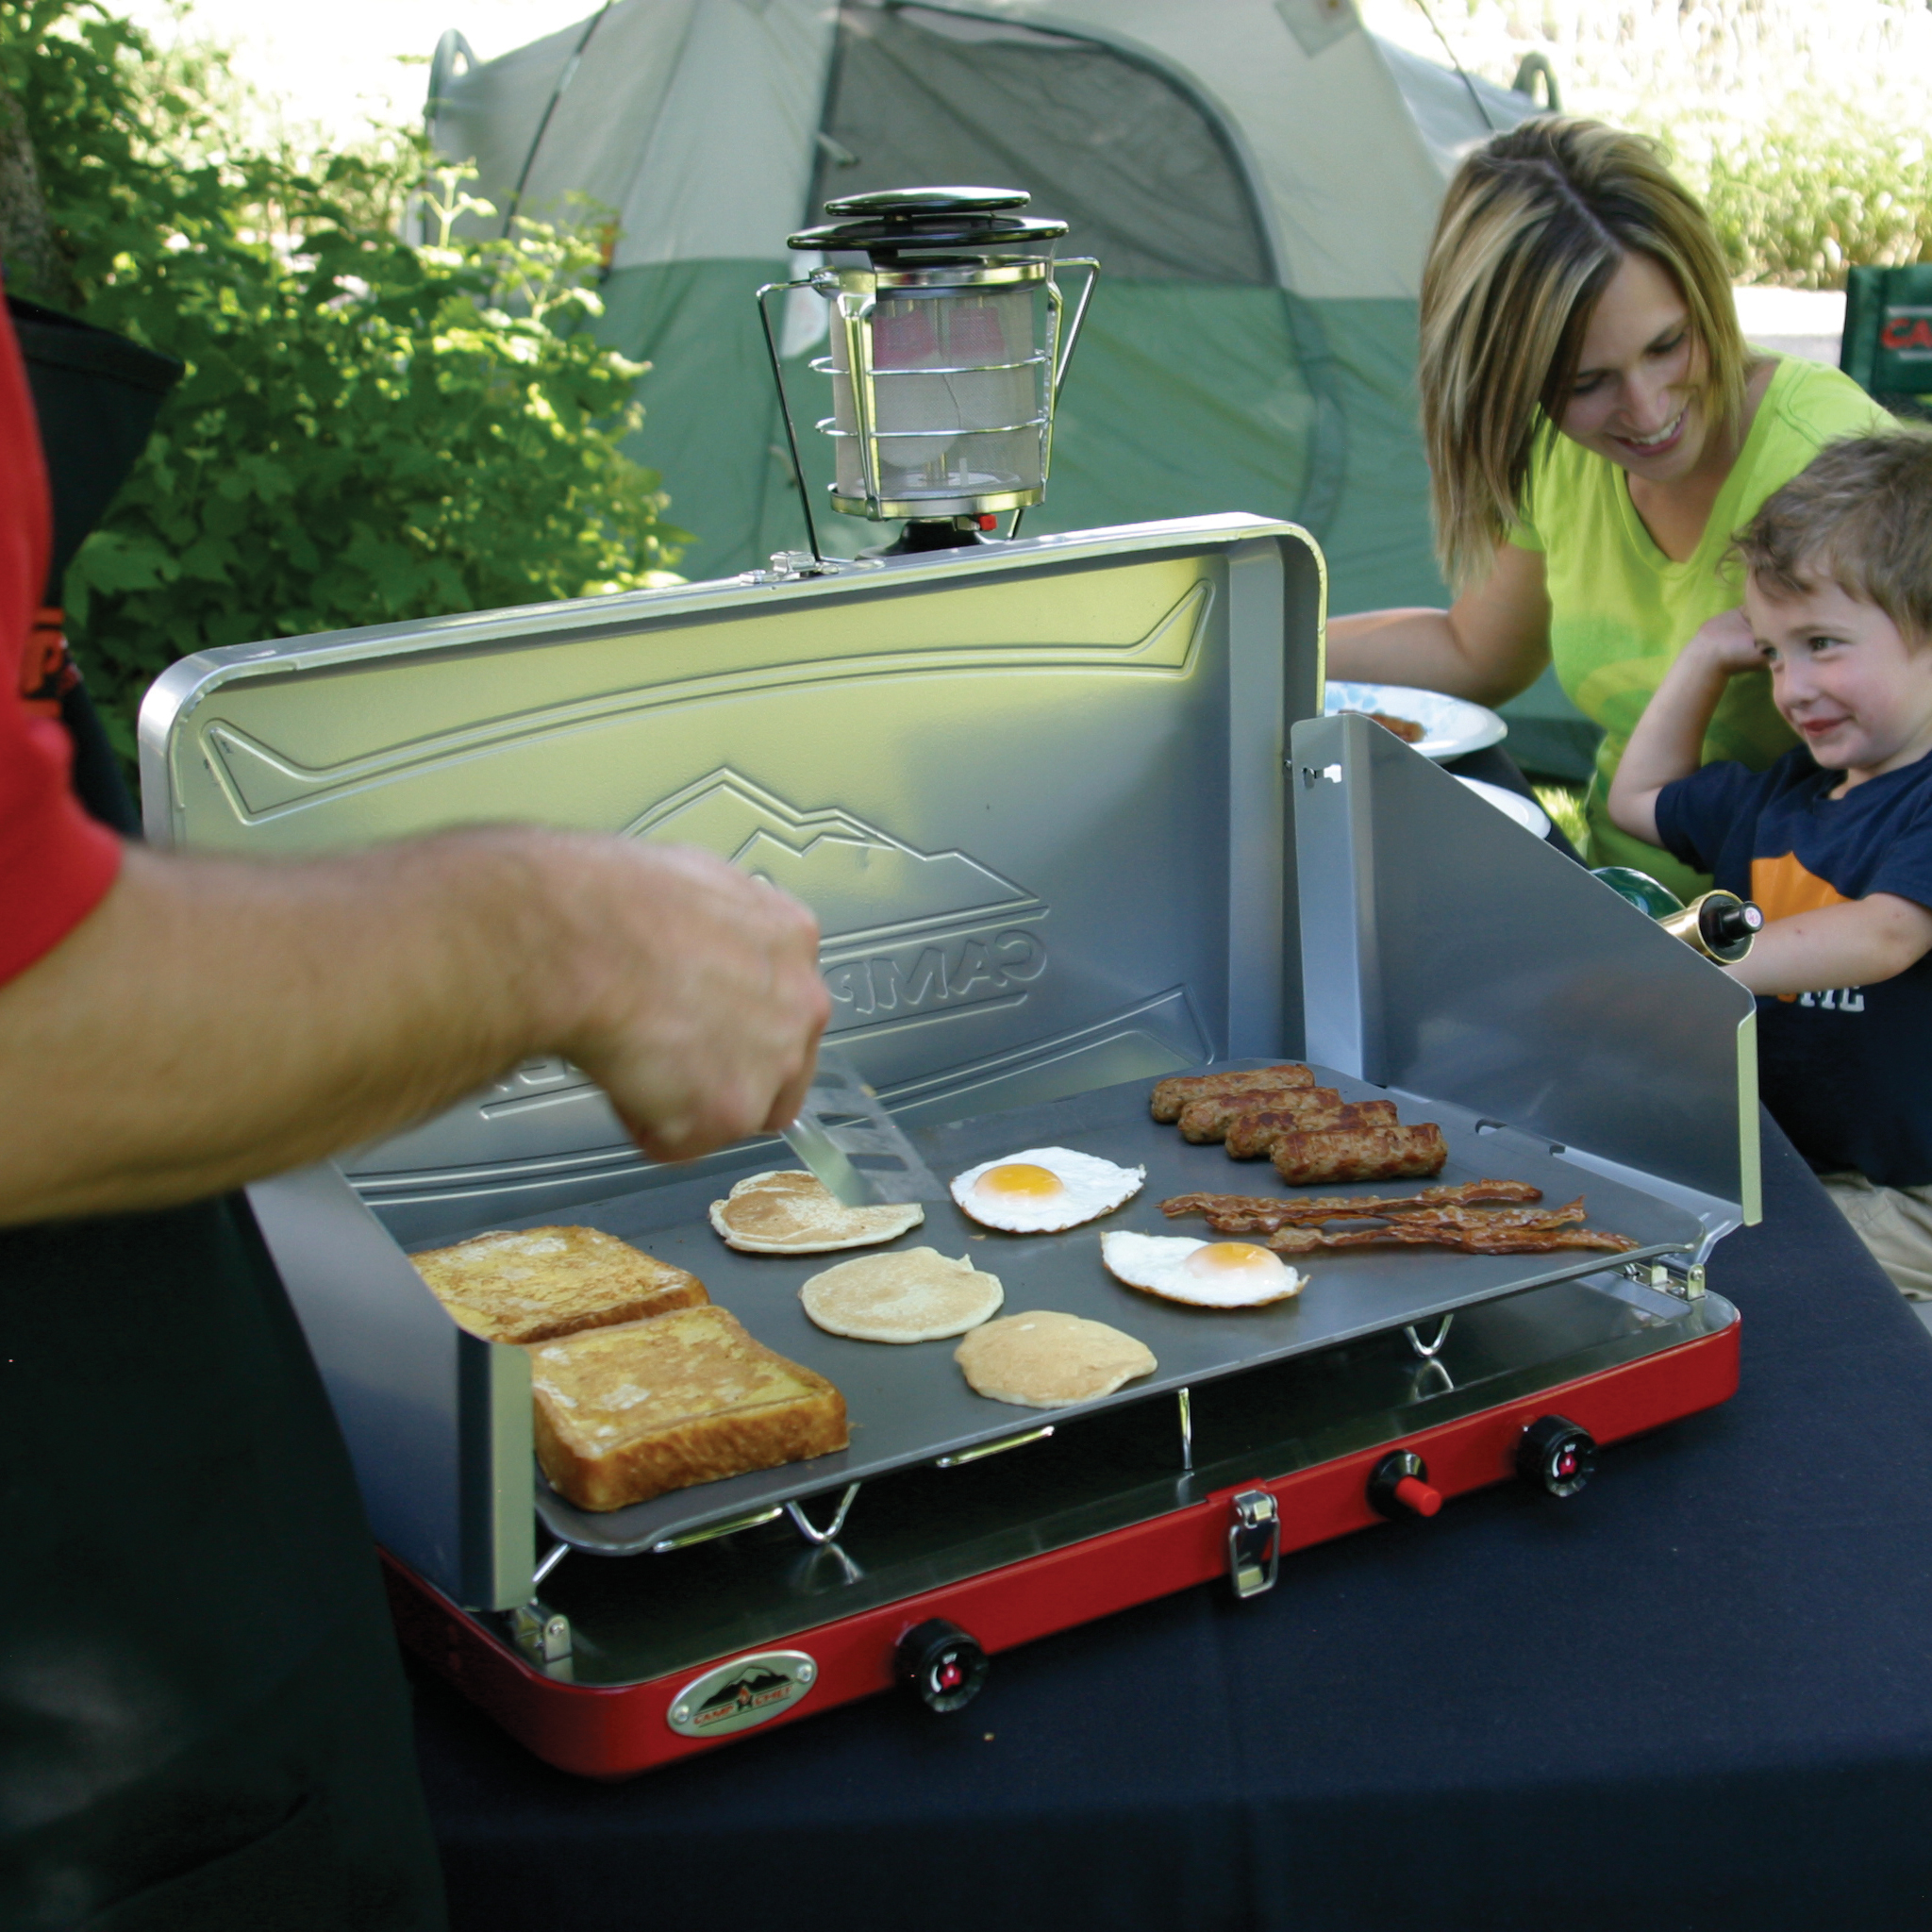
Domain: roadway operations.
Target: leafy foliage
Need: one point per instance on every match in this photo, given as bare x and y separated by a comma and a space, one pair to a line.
1802, 125
369, 429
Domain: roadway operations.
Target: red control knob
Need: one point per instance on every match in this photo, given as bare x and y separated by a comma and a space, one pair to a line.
1413, 1494
1399, 1488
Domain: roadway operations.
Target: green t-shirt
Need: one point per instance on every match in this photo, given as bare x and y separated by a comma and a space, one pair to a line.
1621, 610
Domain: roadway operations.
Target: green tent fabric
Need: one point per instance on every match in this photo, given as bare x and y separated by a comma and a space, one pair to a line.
1259, 179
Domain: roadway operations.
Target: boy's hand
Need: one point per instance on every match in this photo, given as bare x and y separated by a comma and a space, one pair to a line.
1729, 643
1669, 739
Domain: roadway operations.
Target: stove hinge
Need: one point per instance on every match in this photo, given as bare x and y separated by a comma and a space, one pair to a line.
1677, 1274
1254, 1543
544, 1636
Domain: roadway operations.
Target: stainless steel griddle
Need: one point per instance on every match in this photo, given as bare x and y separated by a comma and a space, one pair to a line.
910, 1405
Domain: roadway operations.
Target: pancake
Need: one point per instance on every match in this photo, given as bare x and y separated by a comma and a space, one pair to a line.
797, 1214
1043, 1360
913, 1295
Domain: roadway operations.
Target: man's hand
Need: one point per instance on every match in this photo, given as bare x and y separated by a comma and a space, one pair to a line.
211, 1023
702, 1001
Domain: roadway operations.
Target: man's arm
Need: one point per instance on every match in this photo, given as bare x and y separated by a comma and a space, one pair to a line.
1668, 742
1855, 945
212, 1022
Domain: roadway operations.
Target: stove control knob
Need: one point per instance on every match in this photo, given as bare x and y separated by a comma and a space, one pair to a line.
942, 1663
1400, 1487
1554, 1452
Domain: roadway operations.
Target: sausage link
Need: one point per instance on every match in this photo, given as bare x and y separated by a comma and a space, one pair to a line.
1360, 1154
1209, 1119
1172, 1094
1251, 1135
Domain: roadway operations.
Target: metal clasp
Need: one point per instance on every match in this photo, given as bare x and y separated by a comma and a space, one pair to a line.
1254, 1543
1677, 1274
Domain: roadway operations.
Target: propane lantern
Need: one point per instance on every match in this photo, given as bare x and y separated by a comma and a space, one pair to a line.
948, 347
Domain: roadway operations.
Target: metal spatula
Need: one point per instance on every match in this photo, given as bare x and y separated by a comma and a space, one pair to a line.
842, 1118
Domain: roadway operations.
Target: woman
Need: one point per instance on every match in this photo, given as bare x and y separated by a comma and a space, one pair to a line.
1596, 428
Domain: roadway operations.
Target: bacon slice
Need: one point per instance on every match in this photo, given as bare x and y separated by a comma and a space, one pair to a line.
1262, 1214
1250, 1135
1360, 1154
1469, 1240
1475, 1218
1209, 1118
1172, 1094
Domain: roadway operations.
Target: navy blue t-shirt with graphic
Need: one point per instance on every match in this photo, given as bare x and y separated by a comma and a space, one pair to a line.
1845, 1071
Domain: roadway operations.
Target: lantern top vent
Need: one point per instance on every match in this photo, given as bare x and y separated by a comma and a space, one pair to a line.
896, 223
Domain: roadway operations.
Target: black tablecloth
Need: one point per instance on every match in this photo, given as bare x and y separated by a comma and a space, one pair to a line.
1696, 1696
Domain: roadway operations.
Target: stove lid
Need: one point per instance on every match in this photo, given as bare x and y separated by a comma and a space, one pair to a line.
1035, 792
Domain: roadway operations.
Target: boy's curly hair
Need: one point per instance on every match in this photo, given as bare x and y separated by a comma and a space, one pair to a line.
1860, 515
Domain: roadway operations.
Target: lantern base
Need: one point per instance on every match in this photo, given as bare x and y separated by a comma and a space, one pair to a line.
932, 508
922, 534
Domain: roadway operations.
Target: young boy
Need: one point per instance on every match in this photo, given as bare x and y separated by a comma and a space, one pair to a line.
1834, 841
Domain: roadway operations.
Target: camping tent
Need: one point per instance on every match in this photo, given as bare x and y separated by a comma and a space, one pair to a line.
1259, 179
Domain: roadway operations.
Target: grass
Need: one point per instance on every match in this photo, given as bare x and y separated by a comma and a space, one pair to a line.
1564, 803
1800, 124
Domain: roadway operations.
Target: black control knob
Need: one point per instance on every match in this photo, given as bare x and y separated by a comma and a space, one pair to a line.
1557, 1454
942, 1663
1399, 1487
1728, 925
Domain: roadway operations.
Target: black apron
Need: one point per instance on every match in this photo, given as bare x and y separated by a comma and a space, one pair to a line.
202, 1720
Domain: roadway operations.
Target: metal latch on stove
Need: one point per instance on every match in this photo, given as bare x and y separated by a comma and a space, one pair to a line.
1254, 1543
1677, 1274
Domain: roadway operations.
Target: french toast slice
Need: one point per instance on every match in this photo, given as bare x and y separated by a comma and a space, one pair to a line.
536, 1282
627, 1413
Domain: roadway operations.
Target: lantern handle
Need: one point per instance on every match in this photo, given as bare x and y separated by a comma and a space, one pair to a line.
1092, 264
1063, 354
812, 528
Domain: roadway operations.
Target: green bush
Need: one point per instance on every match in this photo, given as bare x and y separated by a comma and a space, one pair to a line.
1798, 200
369, 430
1801, 125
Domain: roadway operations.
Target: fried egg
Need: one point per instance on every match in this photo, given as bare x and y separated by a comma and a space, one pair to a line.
1043, 1190
1210, 1274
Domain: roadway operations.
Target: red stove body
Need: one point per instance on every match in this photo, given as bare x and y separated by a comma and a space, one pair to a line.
616, 1731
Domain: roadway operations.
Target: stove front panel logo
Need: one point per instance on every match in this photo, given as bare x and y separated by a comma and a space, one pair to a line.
737, 1695
905, 933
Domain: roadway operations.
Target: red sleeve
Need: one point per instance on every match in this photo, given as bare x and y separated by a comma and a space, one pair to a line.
55, 862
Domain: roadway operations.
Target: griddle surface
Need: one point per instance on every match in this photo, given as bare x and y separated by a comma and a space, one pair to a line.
908, 1405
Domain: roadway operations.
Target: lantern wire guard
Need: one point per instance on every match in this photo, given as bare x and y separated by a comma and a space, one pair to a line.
949, 344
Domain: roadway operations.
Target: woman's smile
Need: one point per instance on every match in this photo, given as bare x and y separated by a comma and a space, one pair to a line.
1662, 442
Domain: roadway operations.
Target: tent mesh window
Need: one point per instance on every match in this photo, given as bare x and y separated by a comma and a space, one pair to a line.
1143, 177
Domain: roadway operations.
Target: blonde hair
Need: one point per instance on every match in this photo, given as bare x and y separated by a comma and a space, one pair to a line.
1859, 515
1535, 224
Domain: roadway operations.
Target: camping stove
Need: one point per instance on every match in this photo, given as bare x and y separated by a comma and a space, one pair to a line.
1071, 820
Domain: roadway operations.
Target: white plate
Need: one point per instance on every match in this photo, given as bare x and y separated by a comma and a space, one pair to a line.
1451, 727
1525, 811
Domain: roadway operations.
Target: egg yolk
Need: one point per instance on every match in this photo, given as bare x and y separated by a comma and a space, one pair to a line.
1019, 1180
1219, 1260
